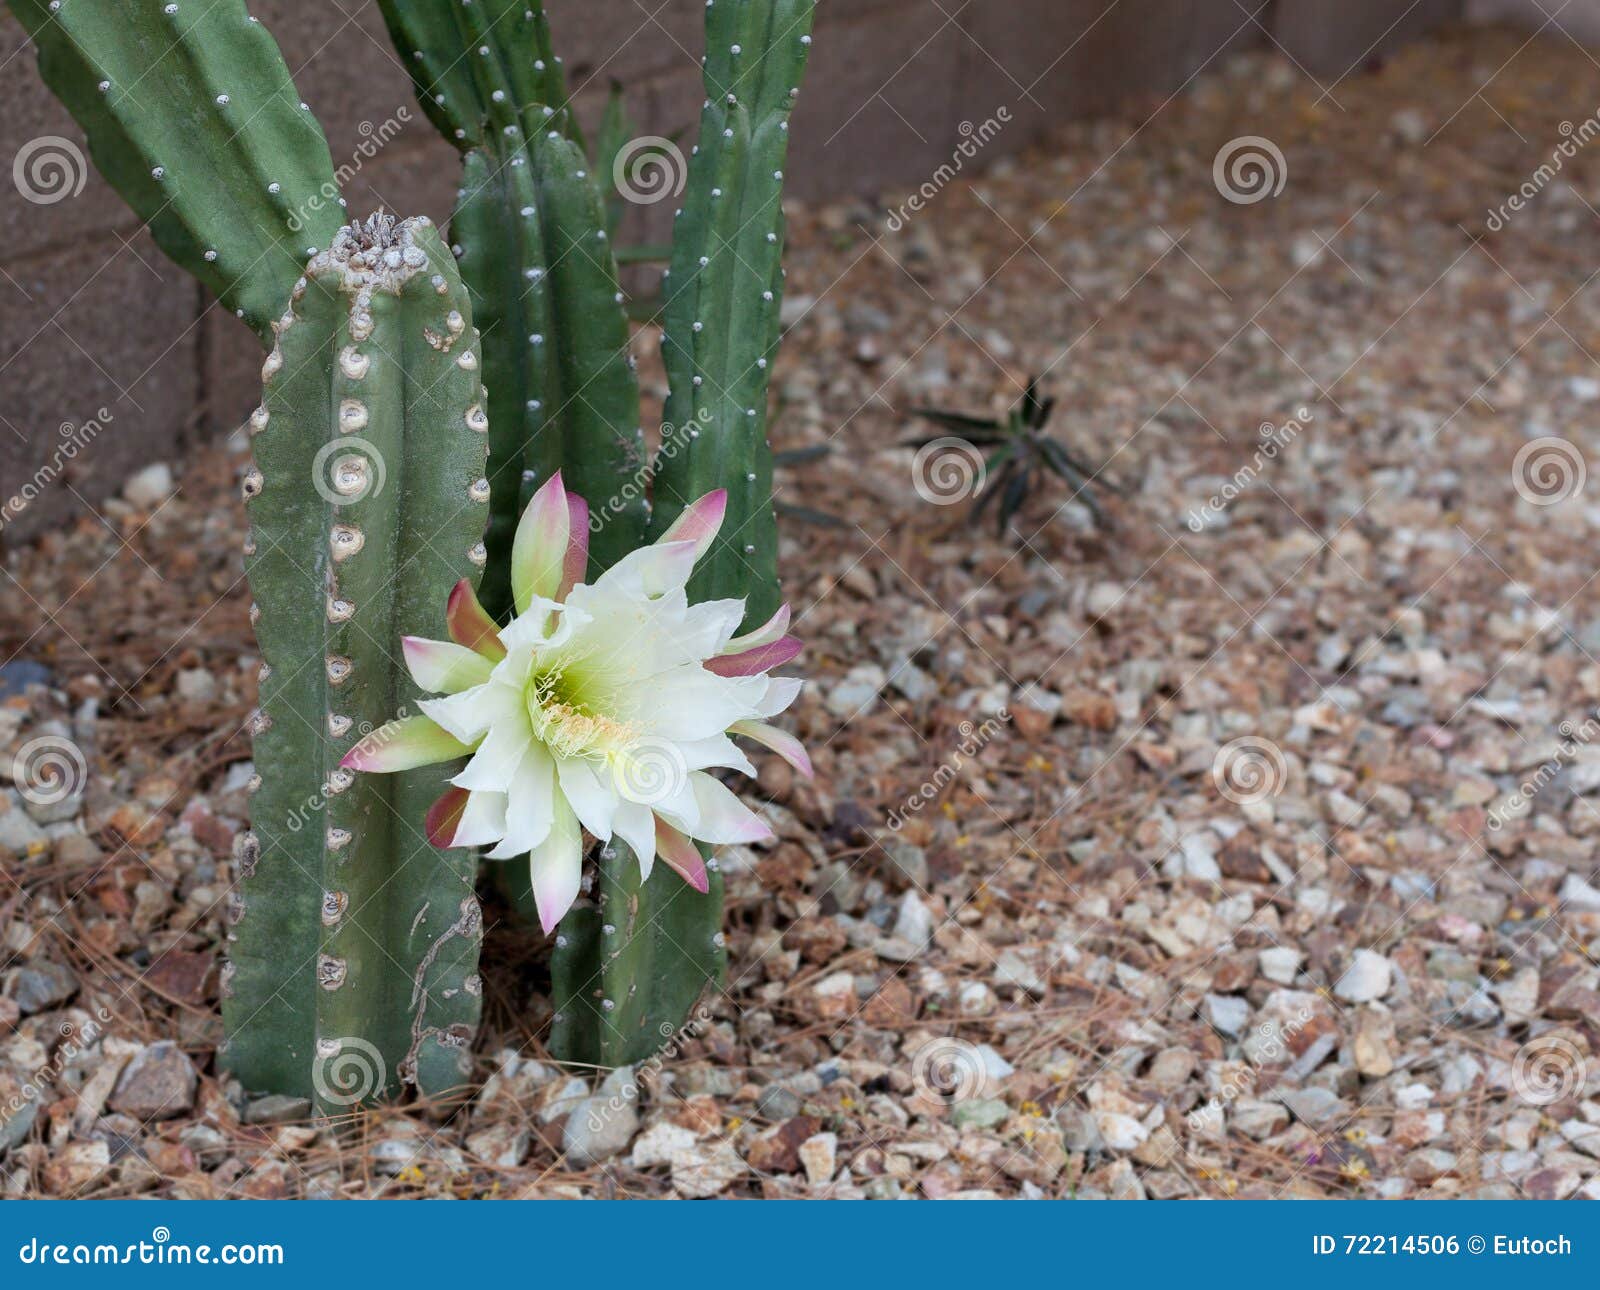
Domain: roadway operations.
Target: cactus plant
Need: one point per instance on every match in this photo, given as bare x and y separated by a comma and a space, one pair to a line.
724, 292
1019, 450
649, 948
530, 231
353, 942
192, 117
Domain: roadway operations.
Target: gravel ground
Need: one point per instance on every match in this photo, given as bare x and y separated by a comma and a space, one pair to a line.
1242, 846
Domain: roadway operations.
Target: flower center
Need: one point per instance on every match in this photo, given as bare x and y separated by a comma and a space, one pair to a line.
569, 726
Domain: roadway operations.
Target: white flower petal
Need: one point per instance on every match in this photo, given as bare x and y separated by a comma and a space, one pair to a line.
590, 793
775, 628
539, 549
443, 667
781, 691
483, 821
546, 624
724, 818
556, 866
780, 741
691, 703
699, 521
651, 570
712, 623
622, 640
635, 824
495, 763
715, 750
469, 714
404, 744
531, 807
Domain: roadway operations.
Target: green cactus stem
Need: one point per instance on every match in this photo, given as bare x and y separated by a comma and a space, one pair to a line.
628, 970
530, 234
530, 231
629, 967
484, 73
192, 117
724, 293
353, 942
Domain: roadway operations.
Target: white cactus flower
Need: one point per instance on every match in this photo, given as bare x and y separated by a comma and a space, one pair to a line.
600, 706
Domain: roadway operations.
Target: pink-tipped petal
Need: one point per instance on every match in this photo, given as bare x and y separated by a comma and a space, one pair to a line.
404, 744
469, 623
779, 741
681, 856
443, 816
753, 662
576, 564
770, 631
539, 550
443, 667
556, 867
699, 522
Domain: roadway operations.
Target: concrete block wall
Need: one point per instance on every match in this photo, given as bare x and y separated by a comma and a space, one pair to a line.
96, 327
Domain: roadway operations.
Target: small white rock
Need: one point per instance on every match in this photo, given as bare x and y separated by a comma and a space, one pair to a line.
1280, 963
150, 487
1367, 978
1577, 894
914, 923
660, 1144
820, 1155
1226, 1013
1120, 1132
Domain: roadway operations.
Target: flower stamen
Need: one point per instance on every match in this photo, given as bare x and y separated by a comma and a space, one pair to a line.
566, 726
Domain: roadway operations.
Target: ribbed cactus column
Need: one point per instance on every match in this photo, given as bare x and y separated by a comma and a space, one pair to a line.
529, 229
724, 294
191, 115
629, 970
353, 941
